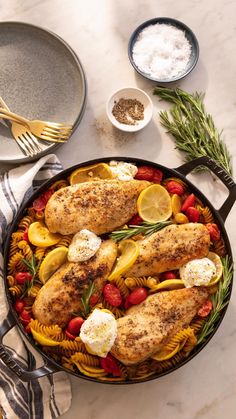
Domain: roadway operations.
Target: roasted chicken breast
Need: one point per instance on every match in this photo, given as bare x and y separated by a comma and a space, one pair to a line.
61, 295
99, 206
170, 248
149, 326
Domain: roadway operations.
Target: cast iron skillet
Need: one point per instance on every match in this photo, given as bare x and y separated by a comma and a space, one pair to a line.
11, 320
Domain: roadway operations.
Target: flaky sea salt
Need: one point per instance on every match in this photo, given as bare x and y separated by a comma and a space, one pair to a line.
162, 51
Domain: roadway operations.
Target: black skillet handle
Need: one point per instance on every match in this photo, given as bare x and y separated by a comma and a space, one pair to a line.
220, 173
11, 363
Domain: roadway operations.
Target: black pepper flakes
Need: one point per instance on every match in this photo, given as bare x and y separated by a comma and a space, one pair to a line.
128, 111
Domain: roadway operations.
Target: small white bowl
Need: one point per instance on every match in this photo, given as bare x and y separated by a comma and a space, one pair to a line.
130, 93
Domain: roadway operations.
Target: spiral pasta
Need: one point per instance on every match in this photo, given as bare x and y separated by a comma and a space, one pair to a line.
219, 247
25, 222
11, 280
67, 363
207, 215
26, 249
197, 324
86, 359
120, 283
33, 291
73, 346
16, 290
116, 311
133, 282
17, 236
39, 215
48, 331
13, 248
15, 262
40, 252
64, 241
181, 336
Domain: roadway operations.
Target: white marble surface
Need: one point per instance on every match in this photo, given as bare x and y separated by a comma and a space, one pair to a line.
99, 31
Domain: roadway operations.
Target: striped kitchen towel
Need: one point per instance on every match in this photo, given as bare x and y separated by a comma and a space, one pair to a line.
50, 396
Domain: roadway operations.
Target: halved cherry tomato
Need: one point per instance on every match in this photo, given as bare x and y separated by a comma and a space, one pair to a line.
127, 303
74, 325
19, 305
40, 203
112, 295
69, 335
25, 317
189, 202
193, 214
94, 299
25, 235
22, 277
168, 275
110, 365
213, 231
175, 188
205, 309
138, 295
135, 220
145, 173
157, 177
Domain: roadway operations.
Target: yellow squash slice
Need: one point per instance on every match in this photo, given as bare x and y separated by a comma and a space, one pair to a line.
39, 235
52, 262
129, 250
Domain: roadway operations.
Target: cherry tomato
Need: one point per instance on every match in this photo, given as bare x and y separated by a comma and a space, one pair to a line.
213, 231
205, 309
40, 203
189, 202
74, 325
138, 295
157, 177
193, 214
112, 295
25, 235
168, 275
69, 335
94, 299
110, 365
175, 188
25, 317
22, 277
135, 220
19, 305
145, 173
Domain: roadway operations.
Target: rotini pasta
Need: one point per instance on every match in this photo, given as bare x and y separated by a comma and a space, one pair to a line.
33, 291
116, 311
149, 282
73, 346
207, 215
181, 336
11, 280
48, 331
15, 262
40, 252
120, 283
16, 290
219, 247
25, 222
65, 241
39, 215
86, 359
197, 324
26, 249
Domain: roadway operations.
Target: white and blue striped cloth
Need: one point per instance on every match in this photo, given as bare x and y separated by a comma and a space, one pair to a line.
50, 396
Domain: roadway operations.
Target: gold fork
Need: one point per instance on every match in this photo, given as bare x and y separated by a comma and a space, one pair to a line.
24, 138
49, 131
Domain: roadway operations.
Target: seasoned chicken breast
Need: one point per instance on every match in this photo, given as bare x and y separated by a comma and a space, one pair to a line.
149, 326
99, 206
61, 295
170, 248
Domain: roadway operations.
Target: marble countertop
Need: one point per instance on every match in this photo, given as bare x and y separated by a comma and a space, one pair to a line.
98, 31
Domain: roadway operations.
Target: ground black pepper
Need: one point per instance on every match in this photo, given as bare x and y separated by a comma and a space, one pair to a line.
128, 111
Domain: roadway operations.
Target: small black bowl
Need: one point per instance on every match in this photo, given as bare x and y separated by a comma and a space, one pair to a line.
177, 24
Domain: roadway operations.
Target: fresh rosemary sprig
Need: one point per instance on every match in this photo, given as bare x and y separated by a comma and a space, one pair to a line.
32, 268
86, 297
144, 228
219, 300
192, 127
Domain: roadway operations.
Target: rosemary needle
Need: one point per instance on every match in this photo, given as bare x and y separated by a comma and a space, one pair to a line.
144, 228
192, 127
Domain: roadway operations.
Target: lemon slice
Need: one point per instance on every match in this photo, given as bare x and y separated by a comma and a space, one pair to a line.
163, 355
43, 340
219, 268
169, 284
89, 374
39, 235
52, 262
129, 252
89, 173
154, 204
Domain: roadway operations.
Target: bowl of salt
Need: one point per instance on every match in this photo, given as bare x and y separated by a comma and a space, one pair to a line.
163, 50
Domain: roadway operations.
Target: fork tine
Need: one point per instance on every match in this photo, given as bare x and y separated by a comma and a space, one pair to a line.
57, 125
56, 131
53, 140
26, 145
22, 146
33, 141
58, 136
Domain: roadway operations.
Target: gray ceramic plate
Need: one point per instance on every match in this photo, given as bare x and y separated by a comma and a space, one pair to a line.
41, 78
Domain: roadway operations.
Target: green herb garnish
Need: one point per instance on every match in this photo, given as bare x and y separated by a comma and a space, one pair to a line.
144, 228
192, 127
32, 269
219, 300
86, 297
